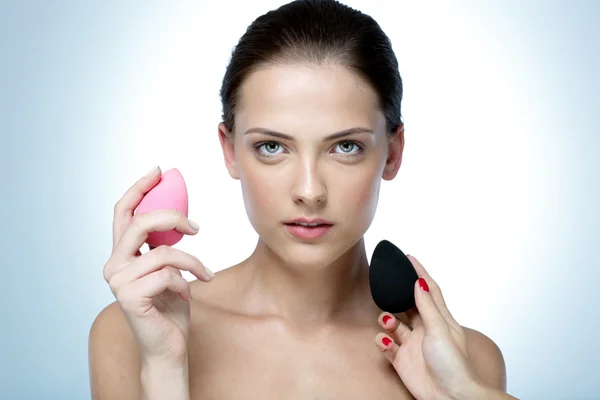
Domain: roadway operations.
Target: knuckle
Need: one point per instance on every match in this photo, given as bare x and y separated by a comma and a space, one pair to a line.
174, 214
113, 283
116, 290
166, 274
106, 272
173, 270
162, 252
404, 334
110, 270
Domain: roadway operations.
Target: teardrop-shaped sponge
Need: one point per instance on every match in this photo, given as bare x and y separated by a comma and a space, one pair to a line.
169, 193
392, 278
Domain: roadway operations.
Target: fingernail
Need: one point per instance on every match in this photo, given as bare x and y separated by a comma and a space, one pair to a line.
209, 272
151, 172
423, 285
193, 225
385, 319
386, 341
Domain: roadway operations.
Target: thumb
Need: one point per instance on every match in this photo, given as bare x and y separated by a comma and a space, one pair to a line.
430, 315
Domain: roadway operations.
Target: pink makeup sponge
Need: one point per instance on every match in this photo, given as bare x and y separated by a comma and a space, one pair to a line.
169, 193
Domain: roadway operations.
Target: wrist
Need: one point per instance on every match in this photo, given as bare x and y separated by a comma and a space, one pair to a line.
165, 380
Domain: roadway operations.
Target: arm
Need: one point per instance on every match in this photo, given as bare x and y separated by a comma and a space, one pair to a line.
161, 382
116, 368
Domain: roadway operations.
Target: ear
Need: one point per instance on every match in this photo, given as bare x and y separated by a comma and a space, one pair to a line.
226, 138
395, 149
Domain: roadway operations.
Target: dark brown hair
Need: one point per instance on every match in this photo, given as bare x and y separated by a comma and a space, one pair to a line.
317, 32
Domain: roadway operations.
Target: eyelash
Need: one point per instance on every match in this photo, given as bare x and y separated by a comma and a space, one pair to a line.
357, 144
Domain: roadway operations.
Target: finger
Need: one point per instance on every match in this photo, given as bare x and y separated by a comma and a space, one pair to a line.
123, 210
434, 290
174, 270
137, 296
413, 317
396, 328
432, 319
157, 259
387, 345
136, 233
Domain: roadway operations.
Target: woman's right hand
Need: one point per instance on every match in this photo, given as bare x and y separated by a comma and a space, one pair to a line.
149, 288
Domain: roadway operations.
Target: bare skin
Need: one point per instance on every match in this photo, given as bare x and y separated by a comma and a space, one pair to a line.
236, 352
295, 320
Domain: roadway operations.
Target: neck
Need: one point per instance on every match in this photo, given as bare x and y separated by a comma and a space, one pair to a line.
311, 296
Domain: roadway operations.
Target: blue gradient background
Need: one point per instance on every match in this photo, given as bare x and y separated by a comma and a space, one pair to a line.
78, 78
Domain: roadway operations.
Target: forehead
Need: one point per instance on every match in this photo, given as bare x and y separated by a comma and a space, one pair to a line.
303, 99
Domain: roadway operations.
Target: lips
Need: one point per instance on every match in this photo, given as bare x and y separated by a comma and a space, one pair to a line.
309, 222
308, 228
308, 232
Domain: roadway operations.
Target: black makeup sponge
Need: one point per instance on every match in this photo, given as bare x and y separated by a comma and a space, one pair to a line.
392, 279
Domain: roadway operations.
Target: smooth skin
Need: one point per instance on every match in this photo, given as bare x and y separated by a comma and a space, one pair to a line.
295, 320
429, 349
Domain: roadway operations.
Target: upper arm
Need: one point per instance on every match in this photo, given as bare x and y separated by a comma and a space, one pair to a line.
114, 357
486, 359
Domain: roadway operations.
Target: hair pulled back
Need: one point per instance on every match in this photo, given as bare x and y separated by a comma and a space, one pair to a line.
317, 32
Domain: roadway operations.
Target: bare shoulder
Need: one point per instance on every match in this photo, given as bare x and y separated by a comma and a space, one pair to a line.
487, 358
114, 357
113, 352
220, 291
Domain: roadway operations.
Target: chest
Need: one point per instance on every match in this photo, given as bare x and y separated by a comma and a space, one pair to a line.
265, 364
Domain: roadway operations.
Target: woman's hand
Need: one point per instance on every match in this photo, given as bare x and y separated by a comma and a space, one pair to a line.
150, 289
431, 358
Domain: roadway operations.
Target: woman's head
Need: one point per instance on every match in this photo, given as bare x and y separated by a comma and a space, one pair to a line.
301, 73
317, 32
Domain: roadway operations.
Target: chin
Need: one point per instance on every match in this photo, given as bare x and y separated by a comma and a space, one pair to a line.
311, 255
307, 257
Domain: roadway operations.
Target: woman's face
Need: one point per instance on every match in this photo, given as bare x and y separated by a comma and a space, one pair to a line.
298, 172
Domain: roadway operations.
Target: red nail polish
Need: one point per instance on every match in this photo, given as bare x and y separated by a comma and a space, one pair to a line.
385, 319
386, 341
423, 284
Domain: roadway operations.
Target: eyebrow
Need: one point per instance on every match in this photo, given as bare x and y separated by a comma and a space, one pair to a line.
337, 135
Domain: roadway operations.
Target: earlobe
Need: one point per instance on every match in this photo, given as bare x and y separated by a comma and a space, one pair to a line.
395, 150
226, 139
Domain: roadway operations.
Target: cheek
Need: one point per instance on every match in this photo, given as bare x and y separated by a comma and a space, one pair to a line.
260, 191
363, 189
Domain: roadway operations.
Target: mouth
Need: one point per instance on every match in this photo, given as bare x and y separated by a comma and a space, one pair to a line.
309, 222
308, 229
313, 225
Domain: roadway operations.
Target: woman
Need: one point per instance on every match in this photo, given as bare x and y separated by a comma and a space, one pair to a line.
311, 124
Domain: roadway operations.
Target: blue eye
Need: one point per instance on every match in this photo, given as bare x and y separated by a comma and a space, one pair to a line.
347, 147
271, 148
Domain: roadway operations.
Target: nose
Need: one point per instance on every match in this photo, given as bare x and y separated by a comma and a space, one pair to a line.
309, 187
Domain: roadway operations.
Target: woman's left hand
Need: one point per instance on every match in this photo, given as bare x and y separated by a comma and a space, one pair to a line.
431, 359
